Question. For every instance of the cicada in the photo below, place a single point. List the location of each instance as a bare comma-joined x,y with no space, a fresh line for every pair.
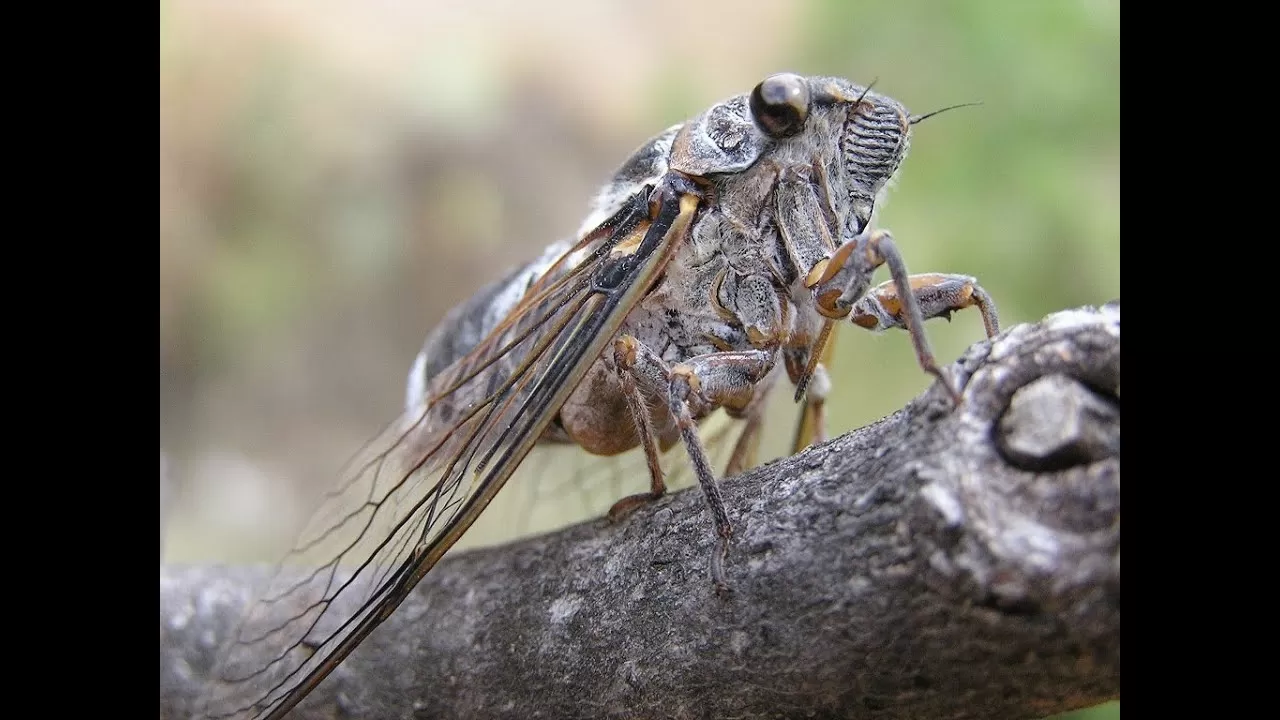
718,259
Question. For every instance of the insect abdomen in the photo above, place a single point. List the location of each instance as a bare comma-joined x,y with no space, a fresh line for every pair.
466,325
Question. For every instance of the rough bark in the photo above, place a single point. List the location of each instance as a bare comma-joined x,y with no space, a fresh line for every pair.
941,563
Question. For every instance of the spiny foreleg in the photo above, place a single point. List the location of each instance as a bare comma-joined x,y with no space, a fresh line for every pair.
905,299
937,294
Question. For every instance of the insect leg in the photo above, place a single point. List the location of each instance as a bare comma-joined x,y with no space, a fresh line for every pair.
625,351
808,368
743,456
725,379
938,296
812,427
883,251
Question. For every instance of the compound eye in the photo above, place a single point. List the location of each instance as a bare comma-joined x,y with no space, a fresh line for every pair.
780,104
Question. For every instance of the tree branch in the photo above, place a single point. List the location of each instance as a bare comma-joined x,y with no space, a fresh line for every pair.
938,563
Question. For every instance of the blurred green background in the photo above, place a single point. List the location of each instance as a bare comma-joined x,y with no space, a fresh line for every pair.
334,175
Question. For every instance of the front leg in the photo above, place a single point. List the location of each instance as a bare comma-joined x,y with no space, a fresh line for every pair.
720,379
938,295
842,282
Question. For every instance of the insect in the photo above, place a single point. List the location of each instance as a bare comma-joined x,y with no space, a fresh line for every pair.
719,258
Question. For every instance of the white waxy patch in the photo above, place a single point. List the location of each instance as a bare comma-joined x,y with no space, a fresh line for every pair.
415,394
820,384
611,198
515,290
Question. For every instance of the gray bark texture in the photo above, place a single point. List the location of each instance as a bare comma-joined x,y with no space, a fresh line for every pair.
941,563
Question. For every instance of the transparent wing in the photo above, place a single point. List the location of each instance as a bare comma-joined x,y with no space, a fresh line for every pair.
558,485
411,493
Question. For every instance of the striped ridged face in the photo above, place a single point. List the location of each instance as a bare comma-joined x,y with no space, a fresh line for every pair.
871,131
875,140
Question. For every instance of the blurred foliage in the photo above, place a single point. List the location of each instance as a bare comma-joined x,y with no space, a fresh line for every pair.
335,175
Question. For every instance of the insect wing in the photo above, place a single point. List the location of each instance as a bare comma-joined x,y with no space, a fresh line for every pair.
412,492
559,484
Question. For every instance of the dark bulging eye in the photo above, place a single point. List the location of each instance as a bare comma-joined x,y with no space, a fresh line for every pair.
780,104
